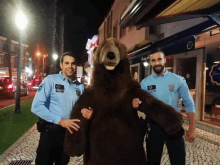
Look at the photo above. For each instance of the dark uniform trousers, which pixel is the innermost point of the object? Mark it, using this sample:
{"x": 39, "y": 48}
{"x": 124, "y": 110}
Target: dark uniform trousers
{"x": 155, "y": 141}
{"x": 50, "y": 148}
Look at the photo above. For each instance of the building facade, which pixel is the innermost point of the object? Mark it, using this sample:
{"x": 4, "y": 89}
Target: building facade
{"x": 198, "y": 64}
{"x": 4, "y": 62}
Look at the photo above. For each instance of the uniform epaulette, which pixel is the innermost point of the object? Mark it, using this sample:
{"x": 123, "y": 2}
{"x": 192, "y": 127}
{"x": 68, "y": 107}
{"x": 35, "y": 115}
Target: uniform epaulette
{"x": 76, "y": 82}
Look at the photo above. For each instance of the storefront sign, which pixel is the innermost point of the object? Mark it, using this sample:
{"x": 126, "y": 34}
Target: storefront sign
{"x": 215, "y": 74}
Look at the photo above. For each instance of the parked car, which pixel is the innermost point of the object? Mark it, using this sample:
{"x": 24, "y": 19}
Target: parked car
{"x": 8, "y": 88}
{"x": 37, "y": 81}
{"x": 30, "y": 84}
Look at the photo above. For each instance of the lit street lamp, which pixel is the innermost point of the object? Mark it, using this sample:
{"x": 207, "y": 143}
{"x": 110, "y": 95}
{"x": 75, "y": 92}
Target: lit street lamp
{"x": 21, "y": 22}
{"x": 55, "y": 56}
{"x": 43, "y": 63}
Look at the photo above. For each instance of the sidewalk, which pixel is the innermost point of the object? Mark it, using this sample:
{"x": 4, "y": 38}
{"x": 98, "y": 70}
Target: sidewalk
{"x": 205, "y": 150}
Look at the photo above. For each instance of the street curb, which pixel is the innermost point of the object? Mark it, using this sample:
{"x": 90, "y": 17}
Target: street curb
{"x": 205, "y": 138}
{"x": 208, "y": 140}
{"x": 18, "y": 142}
{"x": 12, "y": 105}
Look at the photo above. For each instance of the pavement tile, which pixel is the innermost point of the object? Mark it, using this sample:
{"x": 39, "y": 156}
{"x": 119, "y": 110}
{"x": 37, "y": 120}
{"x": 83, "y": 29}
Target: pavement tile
{"x": 205, "y": 150}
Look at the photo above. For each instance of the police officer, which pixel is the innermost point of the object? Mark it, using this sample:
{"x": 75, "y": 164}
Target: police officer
{"x": 53, "y": 104}
{"x": 167, "y": 87}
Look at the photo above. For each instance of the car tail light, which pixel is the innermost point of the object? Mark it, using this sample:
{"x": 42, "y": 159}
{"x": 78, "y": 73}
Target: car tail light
{"x": 10, "y": 86}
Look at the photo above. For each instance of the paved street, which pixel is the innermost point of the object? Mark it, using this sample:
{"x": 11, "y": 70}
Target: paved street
{"x": 4, "y": 101}
{"x": 200, "y": 152}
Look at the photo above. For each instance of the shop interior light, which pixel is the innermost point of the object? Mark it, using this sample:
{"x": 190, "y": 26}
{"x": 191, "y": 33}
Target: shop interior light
{"x": 145, "y": 64}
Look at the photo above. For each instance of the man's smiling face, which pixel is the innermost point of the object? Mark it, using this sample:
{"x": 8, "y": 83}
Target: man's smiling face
{"x": 157, "y": 61}
{"x": 68, "y": 66}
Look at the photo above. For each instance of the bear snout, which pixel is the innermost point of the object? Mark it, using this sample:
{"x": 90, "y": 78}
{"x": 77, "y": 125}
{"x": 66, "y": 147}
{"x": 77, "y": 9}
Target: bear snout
{"x": 111, "y": 55}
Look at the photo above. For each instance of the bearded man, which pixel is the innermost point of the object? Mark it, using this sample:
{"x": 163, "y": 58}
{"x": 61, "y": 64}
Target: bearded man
{"x": 167, "y": 87}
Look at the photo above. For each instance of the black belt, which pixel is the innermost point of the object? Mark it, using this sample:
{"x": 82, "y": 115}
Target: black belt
{"x": 43, "y": 125}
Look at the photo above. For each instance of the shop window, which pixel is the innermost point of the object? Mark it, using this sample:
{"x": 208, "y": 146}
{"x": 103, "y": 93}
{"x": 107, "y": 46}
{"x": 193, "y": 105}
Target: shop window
{"x": 153, "y": 29}
{"x": 4, "y": 47}
{"x": 105, "y": 31}
{"x": 108, "y": 27}
{"x": 1, "y": 60}
{"x": 12, "y": 47}
{"x": 16, "y": 49}
{"x": 13, "y": 61}
{"x": 187, "y": 69}
{"x": 122, "y": 30}
{"x": 1, "y": 46}
{"x": 115, "y": 30}
{"x": 169, "y": 63}
{"x": 212, "y": 92}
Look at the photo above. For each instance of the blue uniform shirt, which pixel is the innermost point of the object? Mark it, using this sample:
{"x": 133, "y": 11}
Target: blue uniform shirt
{"x": 56, "y": 97}
{"x": 168, "y": 88}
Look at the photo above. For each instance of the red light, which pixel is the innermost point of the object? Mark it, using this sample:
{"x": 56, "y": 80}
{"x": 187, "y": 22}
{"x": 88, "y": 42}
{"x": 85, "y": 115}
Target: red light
{"x": 10, "y": 86}
{"x": 29, "y": 83}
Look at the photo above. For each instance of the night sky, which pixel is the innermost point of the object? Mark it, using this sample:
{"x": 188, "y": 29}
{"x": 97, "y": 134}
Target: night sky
{"x": 83, "y": 20}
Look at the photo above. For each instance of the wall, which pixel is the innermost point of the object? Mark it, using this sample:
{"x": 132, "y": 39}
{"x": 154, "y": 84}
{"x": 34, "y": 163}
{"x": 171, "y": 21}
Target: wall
{"x": 132, "y": 36}
{"x": 210, "y": 42}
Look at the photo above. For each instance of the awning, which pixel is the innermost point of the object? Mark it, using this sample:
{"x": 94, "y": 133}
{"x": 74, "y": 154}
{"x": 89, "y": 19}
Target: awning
{"x": 180, "y": 42}
{"x": 142, "y": 13}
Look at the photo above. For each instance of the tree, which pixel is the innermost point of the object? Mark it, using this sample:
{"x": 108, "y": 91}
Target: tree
{"x": 8, "y": 52}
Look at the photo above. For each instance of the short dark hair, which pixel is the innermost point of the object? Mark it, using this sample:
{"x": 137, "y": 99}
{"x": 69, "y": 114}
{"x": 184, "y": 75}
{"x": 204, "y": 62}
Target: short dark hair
{"x": 156, "y": 49}
{"x": 67, "y": 54}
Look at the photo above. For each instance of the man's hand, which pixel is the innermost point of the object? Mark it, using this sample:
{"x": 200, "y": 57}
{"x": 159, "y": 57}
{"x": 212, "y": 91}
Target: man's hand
{"x": 69, "y": 123}
{"x": 190, "y": 135}
{"x": 136, "y": 102}
{"x": 87, "y": 113}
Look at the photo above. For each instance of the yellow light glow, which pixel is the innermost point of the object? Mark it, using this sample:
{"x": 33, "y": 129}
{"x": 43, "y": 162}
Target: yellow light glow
{"x": 21, "y": 20}
{"x": 55, "y": 56}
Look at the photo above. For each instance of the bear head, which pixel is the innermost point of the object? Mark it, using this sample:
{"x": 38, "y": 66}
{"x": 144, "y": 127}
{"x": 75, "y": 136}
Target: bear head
{"x": 110, "y": 62}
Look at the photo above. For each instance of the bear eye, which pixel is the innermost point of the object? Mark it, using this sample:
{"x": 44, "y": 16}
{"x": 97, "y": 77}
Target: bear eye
{"x": 116, "y": 44}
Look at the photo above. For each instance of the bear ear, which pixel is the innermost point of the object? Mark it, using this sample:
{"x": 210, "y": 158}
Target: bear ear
{"x": 122, "y": 48}
{"x": 97, "y": 52}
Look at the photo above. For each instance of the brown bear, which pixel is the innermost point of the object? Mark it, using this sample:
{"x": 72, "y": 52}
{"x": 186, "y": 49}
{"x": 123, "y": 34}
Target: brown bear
{"x": 114, "y": 135}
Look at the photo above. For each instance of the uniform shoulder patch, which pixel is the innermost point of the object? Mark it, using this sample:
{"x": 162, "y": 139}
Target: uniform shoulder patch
{"x": 40, "y": 87}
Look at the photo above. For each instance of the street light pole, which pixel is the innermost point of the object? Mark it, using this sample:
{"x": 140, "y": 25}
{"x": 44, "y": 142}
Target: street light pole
{"x": 21, "y": 22}
{"x": 18, "y": 88}
{"x": 43, "y": 65}
{"x": 55, "y": 56}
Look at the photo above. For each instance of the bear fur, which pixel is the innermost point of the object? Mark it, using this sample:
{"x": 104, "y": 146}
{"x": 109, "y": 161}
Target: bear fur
{"x": 114, "y": 135}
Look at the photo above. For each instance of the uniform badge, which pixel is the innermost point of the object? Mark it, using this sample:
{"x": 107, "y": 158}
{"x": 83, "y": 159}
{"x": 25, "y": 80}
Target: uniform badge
{"x": 40, "y": 87}
{"x": 78, "y": 92}
{"x": 59, "y": 88}
{"x": 151, "y": 88}
{"x": 171, "y": 87}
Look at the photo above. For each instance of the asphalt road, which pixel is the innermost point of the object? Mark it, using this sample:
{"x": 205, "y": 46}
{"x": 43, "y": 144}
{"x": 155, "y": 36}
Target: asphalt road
{"x": 5, "y": 102}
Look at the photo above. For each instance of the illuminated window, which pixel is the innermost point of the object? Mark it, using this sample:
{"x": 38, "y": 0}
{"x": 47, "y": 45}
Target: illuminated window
{"x": 1, "y": 60}
{"x": 115, "y": 30}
